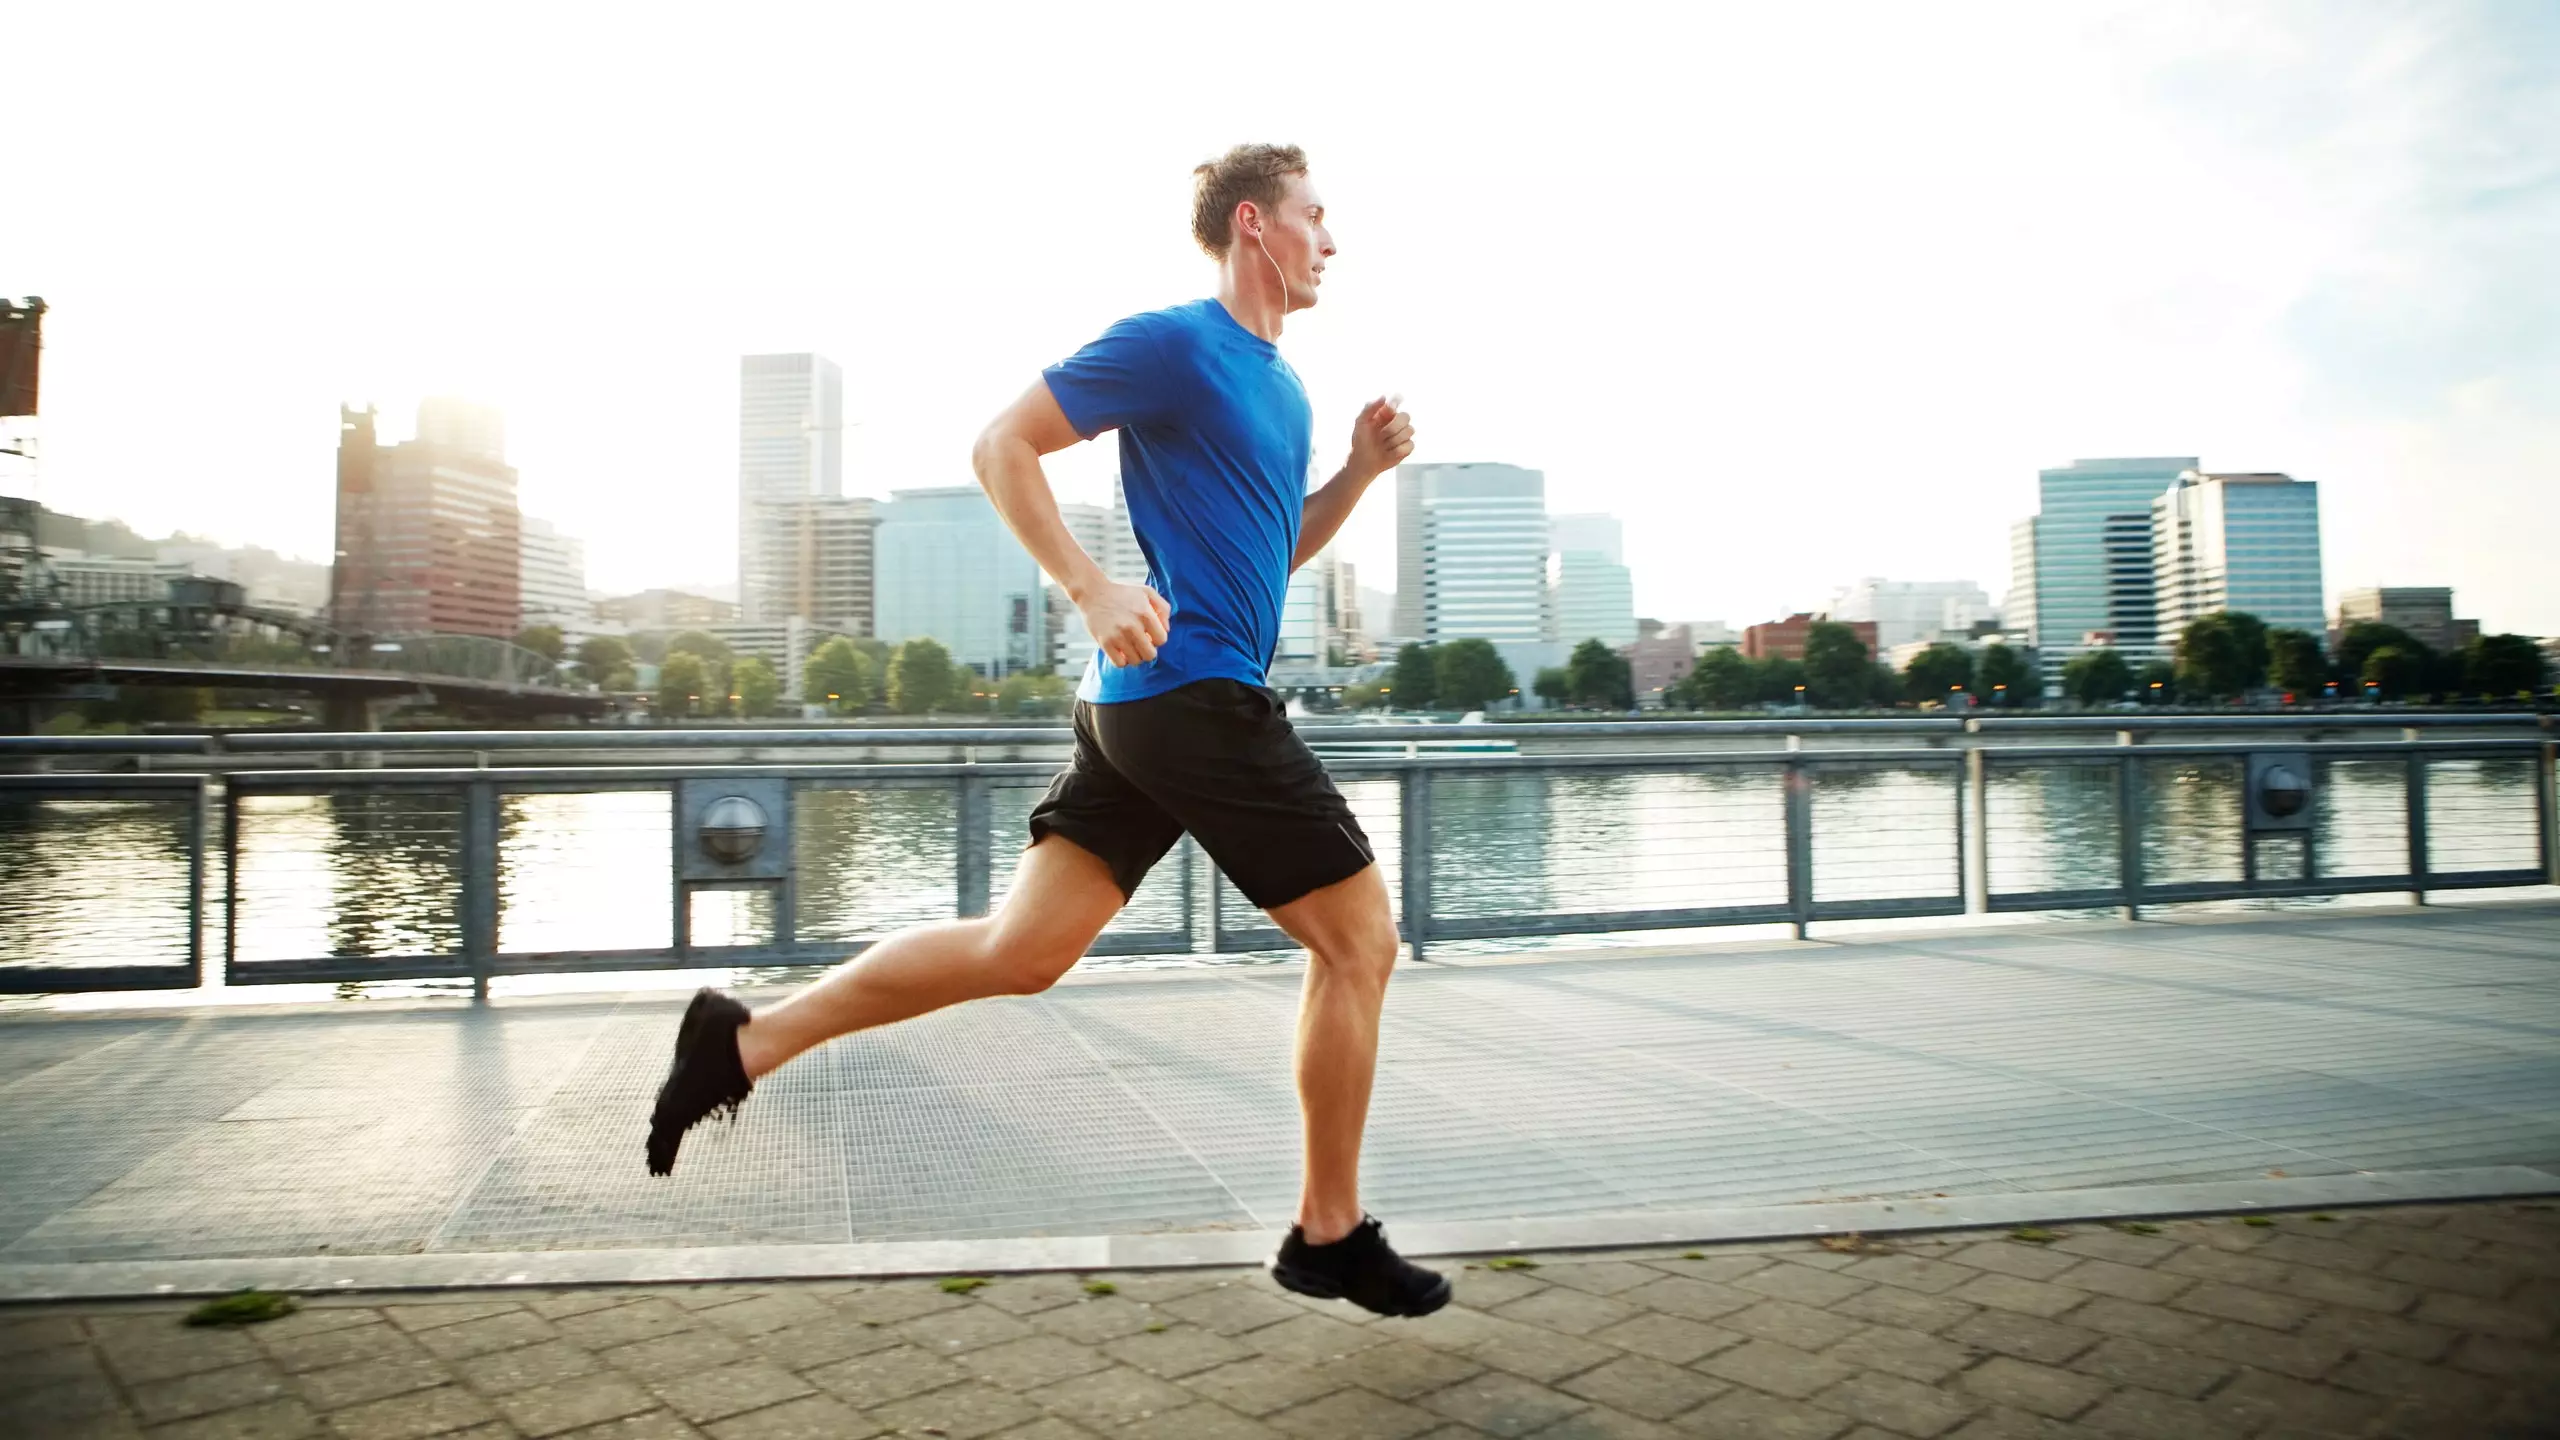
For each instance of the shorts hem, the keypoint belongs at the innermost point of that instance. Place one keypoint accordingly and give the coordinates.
(1085, 838)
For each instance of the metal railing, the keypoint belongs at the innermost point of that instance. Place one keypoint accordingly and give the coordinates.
(513, 867)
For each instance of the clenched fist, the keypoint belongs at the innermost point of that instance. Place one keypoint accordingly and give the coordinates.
(1380, 439)
(1127, 621)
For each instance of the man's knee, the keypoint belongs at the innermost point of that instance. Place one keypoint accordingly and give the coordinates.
(1028, 966)
(1364, 953)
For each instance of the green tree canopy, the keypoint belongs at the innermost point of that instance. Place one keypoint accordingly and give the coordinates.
(2156, 682)
(1365, 695)
(920, 678)
(759, 690)
(1599, 676)
(1835, 666)
(1029, 694)
(1783, 681)
(838, 676)
(2400, 673)
(1937, 673)
(2005, 666)
(2096, 677)
(1884, 687)
(1551, 686)
(543, 640)
(1416, 682)
(2358, 642)
(699, 642)
(602, 655)
(1721, 680)
(649, 647)
(683, 681)
(1469, 675)
(2502, 665)
(2221, 655)
(2294, 662)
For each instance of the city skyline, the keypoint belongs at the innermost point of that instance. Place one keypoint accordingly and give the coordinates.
(2293, 241)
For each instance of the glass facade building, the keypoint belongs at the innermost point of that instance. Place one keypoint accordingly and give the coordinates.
(2082, 565)
(947, 569)
(2237, 542)
(1471, 553)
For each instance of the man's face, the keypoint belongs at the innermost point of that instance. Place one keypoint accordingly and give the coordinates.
(1297, 240)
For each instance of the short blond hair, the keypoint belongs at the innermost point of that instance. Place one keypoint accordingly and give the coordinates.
(1248, 172)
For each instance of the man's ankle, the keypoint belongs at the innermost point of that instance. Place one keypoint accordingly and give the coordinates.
(1326, 1229)
(751, 1056)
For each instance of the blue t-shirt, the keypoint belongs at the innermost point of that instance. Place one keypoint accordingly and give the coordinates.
(1215, 436)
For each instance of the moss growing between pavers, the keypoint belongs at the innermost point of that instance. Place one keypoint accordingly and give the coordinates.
(245, 1307)
(2035, 1235)
(2257, 1220)
(1511, 1262)
(1100, 1287)
(961, 1284)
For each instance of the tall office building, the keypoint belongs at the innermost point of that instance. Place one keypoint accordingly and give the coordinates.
(815, 558)
(1471, 553)
(428, 531)
(2237, 542)
(1909, 612)
(2081, 576)
(1593, 598)
(1591, 595)
(2425, 611)
(1603, 535)
(790, 449)
(551, 580)
(949, 570)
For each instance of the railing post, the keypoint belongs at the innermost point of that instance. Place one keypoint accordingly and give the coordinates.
(1799, 843)
(230, 878)
(199, 834)
(1413, 837)
(1974, 829)
(2417, 790)
(974, 820)
(480, 882)
(2550, 789)
(2129, 830)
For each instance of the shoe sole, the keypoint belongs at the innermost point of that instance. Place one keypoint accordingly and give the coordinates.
(1318, 1287)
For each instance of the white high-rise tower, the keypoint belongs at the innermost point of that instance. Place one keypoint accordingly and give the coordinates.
(790, 452)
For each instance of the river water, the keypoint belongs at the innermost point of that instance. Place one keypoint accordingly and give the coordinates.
(376, 876)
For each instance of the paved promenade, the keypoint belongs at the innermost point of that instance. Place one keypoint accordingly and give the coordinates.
(2062, 1057)
(2430, 1323)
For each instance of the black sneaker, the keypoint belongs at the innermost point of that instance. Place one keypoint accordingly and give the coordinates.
(706, 1077)
(1361, 1268)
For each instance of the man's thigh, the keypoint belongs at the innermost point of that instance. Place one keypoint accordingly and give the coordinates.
(1221, 760)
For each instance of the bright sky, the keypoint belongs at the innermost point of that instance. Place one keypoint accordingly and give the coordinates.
(1804, 293)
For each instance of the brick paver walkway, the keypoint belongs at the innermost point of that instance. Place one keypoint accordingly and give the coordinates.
(2419, 1322)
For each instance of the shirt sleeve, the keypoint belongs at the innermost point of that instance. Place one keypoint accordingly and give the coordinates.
(1118, 380)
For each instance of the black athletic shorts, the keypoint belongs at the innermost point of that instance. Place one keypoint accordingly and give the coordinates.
(1216, 758)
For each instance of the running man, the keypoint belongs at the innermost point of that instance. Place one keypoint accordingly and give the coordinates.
(1174, 729)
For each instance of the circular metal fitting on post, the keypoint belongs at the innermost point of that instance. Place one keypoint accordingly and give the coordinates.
(732, 829)
(2282, 792)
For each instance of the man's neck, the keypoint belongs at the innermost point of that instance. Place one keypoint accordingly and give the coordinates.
(1255, 300)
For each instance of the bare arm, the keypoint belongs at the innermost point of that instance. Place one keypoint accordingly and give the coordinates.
(1380, 440)
(1128, 621)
